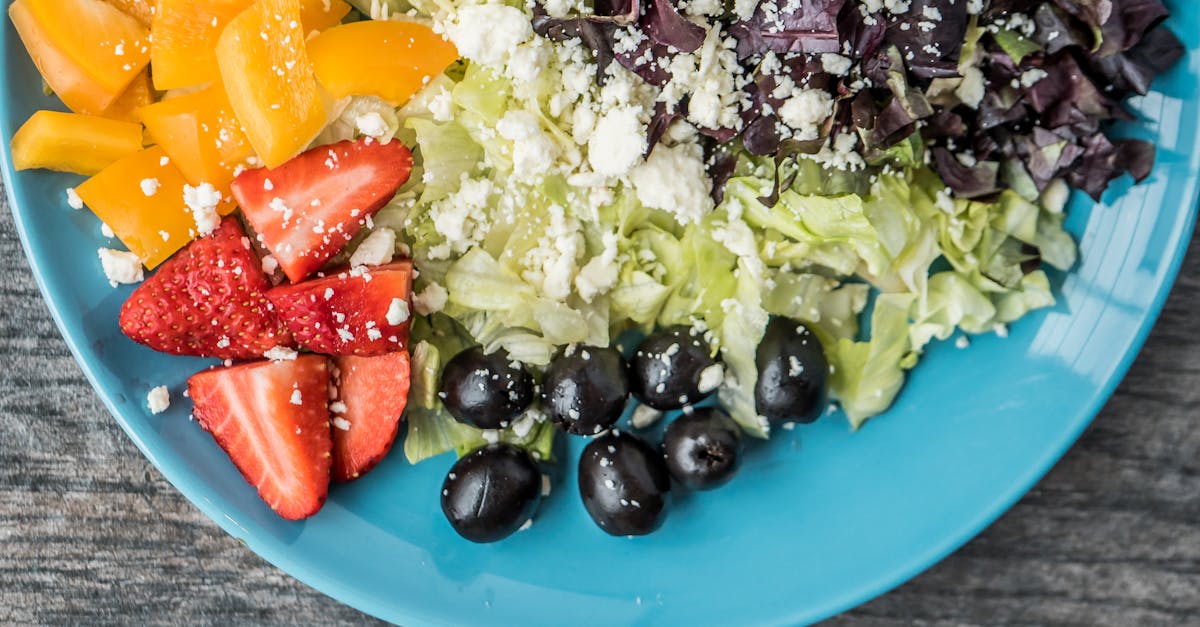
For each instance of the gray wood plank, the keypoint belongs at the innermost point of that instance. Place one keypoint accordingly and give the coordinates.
(92, 534)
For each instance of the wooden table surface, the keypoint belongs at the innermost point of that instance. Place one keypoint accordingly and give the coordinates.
(90, 533)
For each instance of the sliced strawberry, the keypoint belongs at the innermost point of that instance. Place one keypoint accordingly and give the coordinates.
(371, 395)
(353, 312)
(208, 300)
(307, 209)
(272, 418)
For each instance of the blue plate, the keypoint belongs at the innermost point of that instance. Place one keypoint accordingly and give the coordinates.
(819, 520)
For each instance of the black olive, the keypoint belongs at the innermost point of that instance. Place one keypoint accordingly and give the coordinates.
(703, 449)
(491, 492)
(485, 390)
(585, 389)
(793, 373)
(624, 484)
(674, 367)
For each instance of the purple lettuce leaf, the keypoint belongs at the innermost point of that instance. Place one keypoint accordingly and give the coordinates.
(784, 26)
(973, 181)
(663, 23)
(931, 47)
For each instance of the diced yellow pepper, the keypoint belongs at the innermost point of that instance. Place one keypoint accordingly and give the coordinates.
(269, 80)
(392, 60)
(88, 51)
(141, 199)
(137, 95)
(186, 32)
(201, 135)
(142, 10)
(73, 142)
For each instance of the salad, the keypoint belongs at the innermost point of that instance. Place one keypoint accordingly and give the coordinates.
(501, 224)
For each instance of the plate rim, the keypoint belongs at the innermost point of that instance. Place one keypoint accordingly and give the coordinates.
(178, 476)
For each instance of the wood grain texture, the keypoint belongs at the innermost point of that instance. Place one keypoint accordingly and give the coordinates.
(92, 534)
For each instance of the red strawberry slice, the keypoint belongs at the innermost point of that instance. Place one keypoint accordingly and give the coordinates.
(272, 419)
(353, 312)
(372, 393)
(208, 300)
(307, 209)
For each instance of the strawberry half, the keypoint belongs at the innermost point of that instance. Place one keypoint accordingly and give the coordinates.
(307, 209)
(208, 300)
(372, 393)
(354, 312)
(272, 419)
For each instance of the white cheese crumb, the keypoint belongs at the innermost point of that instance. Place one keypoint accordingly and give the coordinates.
(73, 199)
(431, 299)
(805, 111)
(618, 142)
(644, 416)
(711, 378)
(372, 124)
(296, 399)
(397, 312)
(158, 400)
(533, 151)
(488, 33)
(269, 264)
(120, 266)
(338, 407)
(491, 436)
(341, 423)
(202, 201)
(442, 106)
(376, 249)
(150, 186)
(281, 353)
(962, 342)
(600, 273)
(836, 64)
(674, 180)
(106, 230)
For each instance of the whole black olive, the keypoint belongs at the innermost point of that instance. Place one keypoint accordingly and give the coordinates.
(793, 373)
(485, 390)
(674, 367)
(703, 449)
(585, 389)
(491, 492)
(624, 484)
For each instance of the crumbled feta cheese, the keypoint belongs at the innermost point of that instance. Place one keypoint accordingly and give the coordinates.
(962, 342)
(376, 250)
(269, 264)
(397, 312)
(674, 180)
(281, 353)
(711, 378)
(120, 266)
(836, 64)
(552, 263)
(533, 152)
(372, 124)
(158, 400)
(73, 199)
(340, 423)
(600, 273)
(488, 33)
(618, 141)
(202, 201)
(805, 111)
(431, 299)
(442, 107)
(106, 230)
(491, 436)
(644, 416)
(150, 186)
(296, 398)
(461, 217)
